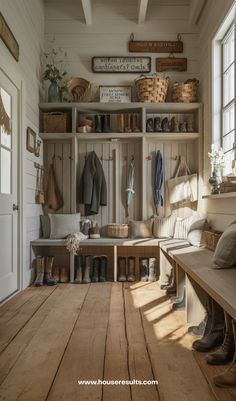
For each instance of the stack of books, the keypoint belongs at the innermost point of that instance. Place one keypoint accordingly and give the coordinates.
(229, 184)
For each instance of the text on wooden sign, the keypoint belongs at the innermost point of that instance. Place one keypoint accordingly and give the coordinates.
(171, 64)
(155, 46)
(121, 64)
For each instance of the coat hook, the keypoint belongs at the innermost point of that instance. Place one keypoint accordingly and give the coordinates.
(149, 157)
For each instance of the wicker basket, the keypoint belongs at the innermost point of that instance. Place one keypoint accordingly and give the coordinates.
(185, 92)
(118, 230)
(152, 89)
(211, 238)
(57, 122)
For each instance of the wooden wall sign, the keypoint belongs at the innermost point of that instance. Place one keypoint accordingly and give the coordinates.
(171, 64)
(8, 38)
(121, 64)
(155, 46)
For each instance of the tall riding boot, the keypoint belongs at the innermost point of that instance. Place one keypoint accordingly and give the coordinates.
(86, 276)
(131, 268)
(121, 269)
(39, 271)
(228, 378)
(152, 264)
(135, 122)
(78, 269)
(144, 269)
(106, 125)
(120, 122)
(214, 334)
(98, 123)
(96, 268)
(225, 352)
(48, 271)
(128, 122)
(103, 269)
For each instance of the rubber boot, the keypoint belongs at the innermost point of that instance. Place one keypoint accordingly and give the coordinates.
(121, 122)
(143, 269)
(48, 271)
(214, 333)
(180, 303)
(149, 125)
(39, 271)
(152, 265)
(78, 269)
(106, 126)
(128, 122)
(103, 269)
(225, 352)
(131, 269)
(96, 268)
(227, 379)
(157, 124)
(135, 122)
(165, 125)
(98, 123)
(87, 269)
(56, 273)
(65, 274)
(199, 330)
(122, 269)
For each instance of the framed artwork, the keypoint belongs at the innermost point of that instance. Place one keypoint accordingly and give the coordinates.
(8, 38)
(30, 140)
(115, 94)
(117, 64)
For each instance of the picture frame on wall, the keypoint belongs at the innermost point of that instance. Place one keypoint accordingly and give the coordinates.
(115, 94)
(30, 140)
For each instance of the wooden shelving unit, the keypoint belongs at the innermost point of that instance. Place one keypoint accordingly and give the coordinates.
(220, 196)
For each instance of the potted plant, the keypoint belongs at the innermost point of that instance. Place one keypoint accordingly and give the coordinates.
(54, 73)
(217, 158)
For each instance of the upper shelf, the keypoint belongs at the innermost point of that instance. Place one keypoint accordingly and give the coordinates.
(149, 107)
(163, 136)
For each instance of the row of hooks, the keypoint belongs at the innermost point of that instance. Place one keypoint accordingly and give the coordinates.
(150, 157)
(60, 157)
(110, 158)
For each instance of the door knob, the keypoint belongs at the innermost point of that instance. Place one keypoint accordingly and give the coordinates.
(15, 207)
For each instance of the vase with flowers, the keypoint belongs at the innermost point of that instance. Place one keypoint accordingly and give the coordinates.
(216, 157)
(54, 73)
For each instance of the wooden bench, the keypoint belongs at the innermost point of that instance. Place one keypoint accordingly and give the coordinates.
(112, 247)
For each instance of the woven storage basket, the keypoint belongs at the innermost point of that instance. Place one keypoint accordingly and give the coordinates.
(118, 230)
(185, 92)
(152, 89)
(56, 122)
(211, 238)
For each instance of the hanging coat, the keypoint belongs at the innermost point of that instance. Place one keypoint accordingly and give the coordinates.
(158, 180)
(53, 195)
(92, 187)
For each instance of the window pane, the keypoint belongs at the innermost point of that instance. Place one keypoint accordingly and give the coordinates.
(6, 100)
(5, 171)
(228, 141)
(228, 85)
(228, 119)
(228, 50)
(229, 157)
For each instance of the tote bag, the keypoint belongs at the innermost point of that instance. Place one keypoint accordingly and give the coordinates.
(183, 188)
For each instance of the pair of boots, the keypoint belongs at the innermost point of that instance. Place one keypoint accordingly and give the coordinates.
(122, 274)
(91, 270)
(44, 271)
(128, 122)
(148, 269)
(153, 125)
(102, 123)
(61, 274)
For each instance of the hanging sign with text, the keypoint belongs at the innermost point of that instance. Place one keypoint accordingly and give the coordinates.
(171, 64)
(156, 46)
(121, 64)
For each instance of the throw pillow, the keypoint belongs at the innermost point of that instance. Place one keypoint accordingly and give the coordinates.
(225, 252)
(64, 224)
(164, 227)
(140, 229)
(45, 226)
(195, 233)
(182, 227)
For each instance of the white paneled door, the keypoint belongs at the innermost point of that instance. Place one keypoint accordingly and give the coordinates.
(8, 188)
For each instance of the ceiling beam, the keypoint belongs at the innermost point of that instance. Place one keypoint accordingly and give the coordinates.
(142, 10)
(87, 9)
(195, 9)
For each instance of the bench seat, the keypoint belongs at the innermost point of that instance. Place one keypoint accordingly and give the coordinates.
(100, 242)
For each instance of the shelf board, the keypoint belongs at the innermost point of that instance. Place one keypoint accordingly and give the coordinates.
(123, 135)
(220, 196)
(169, 107)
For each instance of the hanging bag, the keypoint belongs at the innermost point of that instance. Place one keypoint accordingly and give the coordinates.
(183, 188)
(39, 194)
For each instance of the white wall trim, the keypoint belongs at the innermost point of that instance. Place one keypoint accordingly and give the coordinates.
(142, 11)
(87, 9)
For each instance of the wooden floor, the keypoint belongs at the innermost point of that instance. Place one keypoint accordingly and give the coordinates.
(52, 337)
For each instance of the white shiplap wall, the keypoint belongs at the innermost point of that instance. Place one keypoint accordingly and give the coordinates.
(112, 23)
(26, 20)
(221, 211)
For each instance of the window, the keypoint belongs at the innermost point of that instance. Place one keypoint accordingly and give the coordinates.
(228, 140)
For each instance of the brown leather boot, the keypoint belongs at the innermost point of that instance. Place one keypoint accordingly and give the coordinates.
(39, 271)
(131, 269)
(48, 271)
(228, 378)
(225, 352)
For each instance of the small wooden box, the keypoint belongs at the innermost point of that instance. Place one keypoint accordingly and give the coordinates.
(56, 122)
(211, 238)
